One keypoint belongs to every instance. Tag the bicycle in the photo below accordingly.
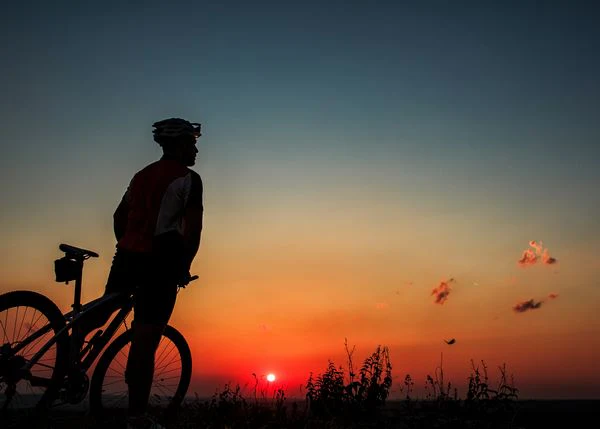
(47, 366)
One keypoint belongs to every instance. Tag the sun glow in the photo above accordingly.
(271, 378)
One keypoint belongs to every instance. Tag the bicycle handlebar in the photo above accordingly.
(184, 282)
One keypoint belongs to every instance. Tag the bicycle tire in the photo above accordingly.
(98, 399)
(47, 308)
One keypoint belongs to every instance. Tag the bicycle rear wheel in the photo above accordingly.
(28, 320)
(172, 374)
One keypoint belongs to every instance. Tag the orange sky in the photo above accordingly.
(272, 298)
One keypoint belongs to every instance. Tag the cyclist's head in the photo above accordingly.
(178, 138)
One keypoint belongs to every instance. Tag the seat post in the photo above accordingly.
(77, 294)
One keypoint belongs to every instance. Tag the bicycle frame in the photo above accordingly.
(81, 358)
(101, 338)
(121, 301)
(97, 342)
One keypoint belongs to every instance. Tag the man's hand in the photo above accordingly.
(186, 279)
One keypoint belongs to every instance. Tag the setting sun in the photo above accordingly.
(271, 378)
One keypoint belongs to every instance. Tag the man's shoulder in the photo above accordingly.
(148, 168)
(168, 173)
(163, 166)
(194, 175)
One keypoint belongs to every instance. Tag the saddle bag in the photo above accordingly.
(67, 269)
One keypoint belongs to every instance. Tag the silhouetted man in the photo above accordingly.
(158, 226)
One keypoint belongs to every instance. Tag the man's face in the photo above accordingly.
(188, 151)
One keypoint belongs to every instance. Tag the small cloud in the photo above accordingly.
(475, 284)
(528, 258)
(553, 295)
(382, 305)
(526, 306)
(547, 259)
(539, 247)
(442, 291)
(531, 256)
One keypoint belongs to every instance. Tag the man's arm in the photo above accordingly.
(120, 216)
(194, 212)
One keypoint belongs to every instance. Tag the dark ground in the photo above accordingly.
(530, 414)
(565, 414)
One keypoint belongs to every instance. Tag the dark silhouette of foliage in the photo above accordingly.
(479, 388)
(329, 395)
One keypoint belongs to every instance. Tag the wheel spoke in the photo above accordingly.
(123, 367)
(39, 381)
(21, 315)
(21, 325)
(168, 354)
(4, 335)
(31, 325)
(46, 367)
(157, 359)
(171, 370)
(167, 374)
(32, 345)
(168, 364)
(15, 326)
(112, 383)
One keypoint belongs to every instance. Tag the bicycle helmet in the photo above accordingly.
(169, 130)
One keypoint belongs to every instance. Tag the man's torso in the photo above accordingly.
(157, 198)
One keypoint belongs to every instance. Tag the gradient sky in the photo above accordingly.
(354, 155)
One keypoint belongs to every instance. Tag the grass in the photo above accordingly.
(358, 398)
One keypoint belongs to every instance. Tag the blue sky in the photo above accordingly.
(500, 97)
(463, 84)
(461, 105)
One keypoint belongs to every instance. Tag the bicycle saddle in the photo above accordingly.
(76, 251)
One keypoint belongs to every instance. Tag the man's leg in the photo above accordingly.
(140, 365)
(153, 307)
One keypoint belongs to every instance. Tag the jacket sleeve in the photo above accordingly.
(193, 217)
(121, 214)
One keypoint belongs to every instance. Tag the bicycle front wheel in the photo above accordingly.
(172, 374)
(29, 374)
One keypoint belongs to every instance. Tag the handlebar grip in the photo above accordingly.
(185, 282)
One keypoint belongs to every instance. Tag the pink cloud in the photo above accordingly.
(531, 256)
(528, 258)
(553, 295)
(442, 291)
(539, 247)
(526, 306)
(547, 259)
